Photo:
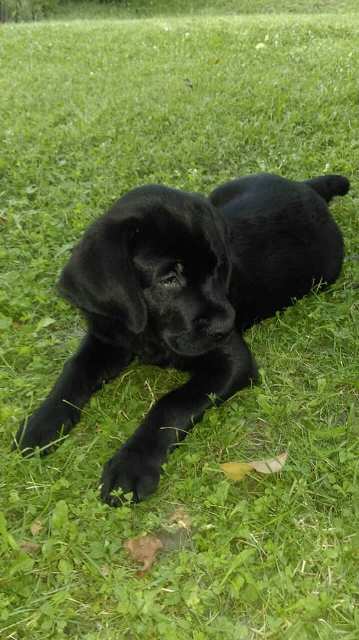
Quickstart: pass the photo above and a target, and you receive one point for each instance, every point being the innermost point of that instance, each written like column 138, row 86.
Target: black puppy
column 173, row 278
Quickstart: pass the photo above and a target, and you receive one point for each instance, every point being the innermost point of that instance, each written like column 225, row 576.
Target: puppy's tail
column 329, row 186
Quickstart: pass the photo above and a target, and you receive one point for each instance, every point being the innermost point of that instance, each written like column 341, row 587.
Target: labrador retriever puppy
column 174, row 279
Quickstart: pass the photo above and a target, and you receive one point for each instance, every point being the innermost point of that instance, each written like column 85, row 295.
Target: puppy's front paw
column 131, row 471
column 46, row 426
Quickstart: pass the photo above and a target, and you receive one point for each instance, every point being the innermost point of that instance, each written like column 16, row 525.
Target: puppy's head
column 157, row 259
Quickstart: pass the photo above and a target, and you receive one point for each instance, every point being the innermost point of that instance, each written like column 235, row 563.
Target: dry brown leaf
column 238, row 470
column 144, row 549
column 36, row 527
column 176, row 534
column 181, row 518
column 30, row 547
column 172, row 537
column 174, row 540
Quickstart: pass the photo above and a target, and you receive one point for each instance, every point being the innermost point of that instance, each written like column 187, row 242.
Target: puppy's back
column 283, row 240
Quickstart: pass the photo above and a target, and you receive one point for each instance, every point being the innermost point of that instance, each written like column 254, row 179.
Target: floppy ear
column 100, row 277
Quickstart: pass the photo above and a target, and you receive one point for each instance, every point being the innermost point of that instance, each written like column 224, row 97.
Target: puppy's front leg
column 93, row 364
column 136, row 466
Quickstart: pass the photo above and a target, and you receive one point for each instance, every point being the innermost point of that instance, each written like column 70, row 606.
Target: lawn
column 90, row 108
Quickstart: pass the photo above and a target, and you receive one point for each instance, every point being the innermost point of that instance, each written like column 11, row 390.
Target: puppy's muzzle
column 218, row 325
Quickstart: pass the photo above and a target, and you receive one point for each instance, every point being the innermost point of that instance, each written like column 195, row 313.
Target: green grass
column 151, row 8
column 88, row 110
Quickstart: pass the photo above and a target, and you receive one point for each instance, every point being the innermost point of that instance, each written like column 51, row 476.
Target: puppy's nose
column 217, row 334
column 219, row 331
column 216, row 328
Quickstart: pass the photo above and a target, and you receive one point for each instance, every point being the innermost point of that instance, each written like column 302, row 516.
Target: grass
column 90, row 109
column 152, row 8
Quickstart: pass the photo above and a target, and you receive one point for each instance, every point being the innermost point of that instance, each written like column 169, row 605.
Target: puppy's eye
column 170, row 280
column 173, row 278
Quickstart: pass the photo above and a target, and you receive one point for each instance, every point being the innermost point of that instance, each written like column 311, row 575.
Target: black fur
column 174, row 279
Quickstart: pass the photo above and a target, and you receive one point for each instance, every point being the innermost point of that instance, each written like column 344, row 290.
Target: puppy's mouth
column 190, row 344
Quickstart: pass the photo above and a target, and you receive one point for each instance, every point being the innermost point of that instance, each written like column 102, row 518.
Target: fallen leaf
column 144, row 549
column 174, row 535
column 36, row 527
column 174, row 540
column 270, row 466
column 181, row 518
column 238, row 470
column 30, row 547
